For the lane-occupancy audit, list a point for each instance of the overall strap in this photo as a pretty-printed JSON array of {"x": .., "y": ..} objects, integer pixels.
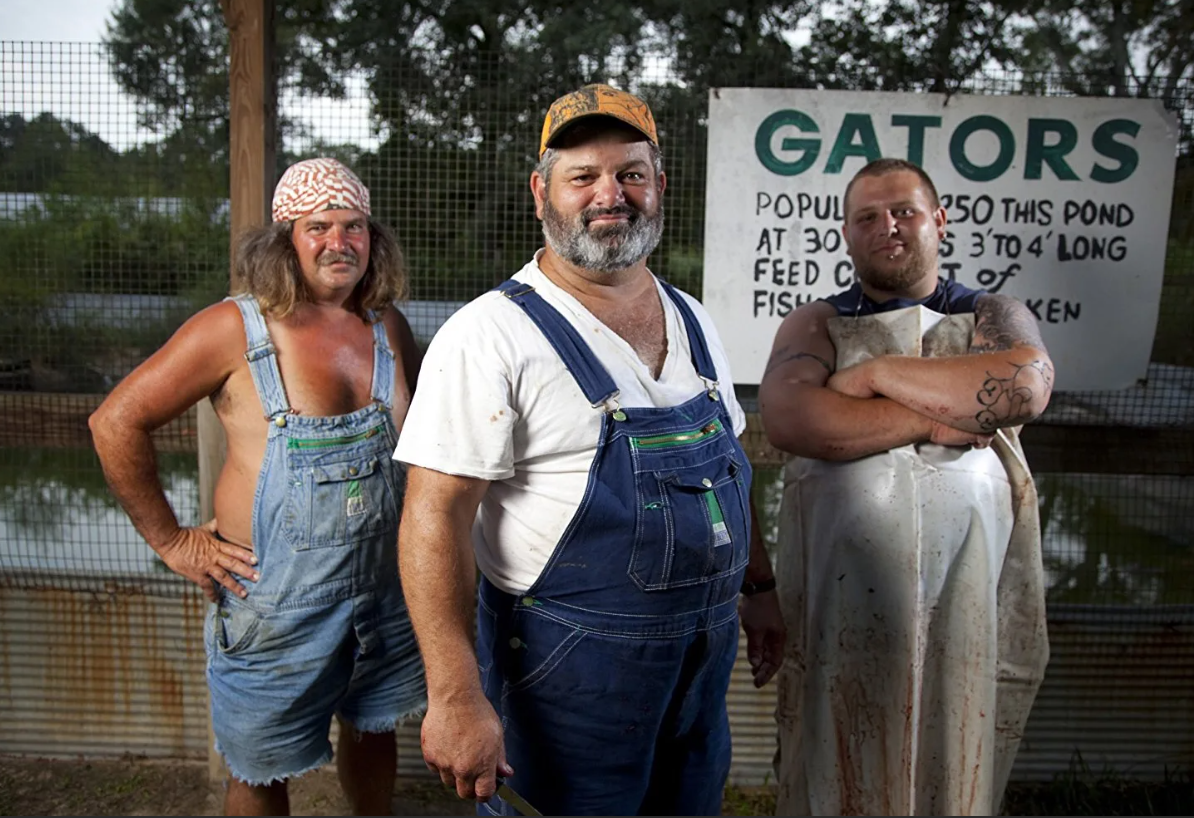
[
  {"x": 262, "y": 358},
  {"x": 701, "y": 359},
  {"x": 383, "y": 364},
  {"x": 590, "y": 375}
]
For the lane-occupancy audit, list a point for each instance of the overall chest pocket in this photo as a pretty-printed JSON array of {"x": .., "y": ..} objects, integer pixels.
[
  {"x": 692, "y": 521},
  {"x": 334, "y": 504}
]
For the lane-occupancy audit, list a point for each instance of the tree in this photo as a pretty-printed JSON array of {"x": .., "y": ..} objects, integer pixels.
[
  {"x": 1119, "y": 47},
  {"x": 899, "y": 45},
  {"x": 459, "y": 87},
  {"x": 716, "y": 44},
  {"x": 172, "y": 57},
  {"x": 45, "y": 153}
]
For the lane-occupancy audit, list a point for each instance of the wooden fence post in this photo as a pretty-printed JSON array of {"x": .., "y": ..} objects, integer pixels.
[{"x": 252, "y": 105}]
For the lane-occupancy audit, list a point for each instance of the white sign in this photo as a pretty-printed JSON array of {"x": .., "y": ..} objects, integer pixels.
[{"x": 1061, "y": 203}]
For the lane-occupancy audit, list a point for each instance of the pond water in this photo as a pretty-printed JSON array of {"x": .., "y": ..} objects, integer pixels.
[
  {"x": 57, "y": 516},
  {"x": 1108, "y": 539}
]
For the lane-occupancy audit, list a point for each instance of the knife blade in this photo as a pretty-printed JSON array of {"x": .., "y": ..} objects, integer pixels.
[{"x": 514, "y": 799}]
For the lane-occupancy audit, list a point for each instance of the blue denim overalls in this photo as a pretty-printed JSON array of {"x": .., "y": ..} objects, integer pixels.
[
  {"x": 325, "y": 629},
  {"x": 610, "y": 673}
]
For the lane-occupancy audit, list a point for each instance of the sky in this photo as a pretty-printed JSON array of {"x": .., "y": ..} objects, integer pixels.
[
  {"x": 55, "y": 20},
  {"x": 36, "y": 78}
]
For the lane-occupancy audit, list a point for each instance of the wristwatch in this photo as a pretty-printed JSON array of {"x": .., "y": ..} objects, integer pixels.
[{"x": 751, "y": 588}]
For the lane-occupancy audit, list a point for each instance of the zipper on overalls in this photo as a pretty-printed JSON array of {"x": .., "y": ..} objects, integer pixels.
[
  {"x": 678, "y": 439},
  {"x": 319, "y": 443}
]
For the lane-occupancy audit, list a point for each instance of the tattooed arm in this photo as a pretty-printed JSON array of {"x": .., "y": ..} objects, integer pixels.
[
  {"x": 803, "y": 417},
  {"x": 1006, "y": 380}
]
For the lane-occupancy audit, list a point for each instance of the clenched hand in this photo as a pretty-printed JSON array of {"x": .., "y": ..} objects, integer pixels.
[
  {"x": 945, "y": 435},
  {"x": 462, "y": 741}
]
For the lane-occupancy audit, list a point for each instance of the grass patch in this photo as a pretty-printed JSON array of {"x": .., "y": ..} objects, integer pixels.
[
  {"x": 748, "y": 801},
  {"x": 1081, "y": 792}
]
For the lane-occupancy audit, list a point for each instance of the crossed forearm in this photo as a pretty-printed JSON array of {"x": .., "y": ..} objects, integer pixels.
[
  {"x": 974, "y": 393},
  {"x": 814, "y": 421}
]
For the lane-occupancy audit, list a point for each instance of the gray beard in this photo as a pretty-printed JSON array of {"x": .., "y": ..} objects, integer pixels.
[{"x": 609, "y": 249}]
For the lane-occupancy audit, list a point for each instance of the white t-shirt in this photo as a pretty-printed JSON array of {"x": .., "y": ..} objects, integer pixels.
[{"x": 495, "y": 401}]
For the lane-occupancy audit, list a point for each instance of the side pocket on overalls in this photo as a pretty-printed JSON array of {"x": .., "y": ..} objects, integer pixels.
[
  {"x": 233, "y": 626},
  {"x": 535, "y": 650}
]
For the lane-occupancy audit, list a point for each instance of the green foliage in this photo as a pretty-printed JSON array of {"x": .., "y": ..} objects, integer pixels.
[
  {"x": 36, "y": 155},
  {"x": 459, "y": 88},
  {"x": 94, "y": 221},
  {"x": 1143, "y": 48},
  {"x": 748, "y": 801},
  {"x": 95, "y": 244},
  {"x": 51, "y": 155}
]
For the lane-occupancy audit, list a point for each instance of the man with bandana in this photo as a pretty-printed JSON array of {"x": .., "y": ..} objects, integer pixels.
[
  {"x": 310, "y": 370},
  {"x": 574, "y": 436},
  {"x": 909, "y": 559}
]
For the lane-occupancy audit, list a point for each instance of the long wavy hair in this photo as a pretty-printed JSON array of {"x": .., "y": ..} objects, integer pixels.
[{"x": 267, "y": 266}]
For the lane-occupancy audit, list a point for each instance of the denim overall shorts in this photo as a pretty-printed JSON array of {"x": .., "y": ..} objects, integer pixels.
[
  {"x": 610, "y": 673},
  {"x": 325, "y": 630}
]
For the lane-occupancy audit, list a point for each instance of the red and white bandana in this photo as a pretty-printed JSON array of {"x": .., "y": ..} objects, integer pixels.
[{"x": 314, "y": 185}]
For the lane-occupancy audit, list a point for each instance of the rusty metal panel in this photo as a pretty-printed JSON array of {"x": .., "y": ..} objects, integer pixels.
[
  {"x": 108, "y": 672},
  {"x": 98, "y": 673},
  {"x": 752, "y": 724},
  {"x": 1118, "y": 693},
  {"x": 410, "y": 753}
]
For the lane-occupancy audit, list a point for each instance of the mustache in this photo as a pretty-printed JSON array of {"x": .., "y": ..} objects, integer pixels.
[
  {"x": 587, "y": 216},
  {"x": 336, "y": 257}
]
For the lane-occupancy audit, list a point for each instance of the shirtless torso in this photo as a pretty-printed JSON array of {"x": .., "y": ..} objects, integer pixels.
[
  {"x": 325, "y": 356},
  {"x": 326, "y": 360}
]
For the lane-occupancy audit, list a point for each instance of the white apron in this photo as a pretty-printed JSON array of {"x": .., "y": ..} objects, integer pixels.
[{"x": 913, "y": 591}]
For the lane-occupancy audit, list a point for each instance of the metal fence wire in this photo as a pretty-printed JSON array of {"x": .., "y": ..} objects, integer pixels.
[{"x": 114, "y": 228}]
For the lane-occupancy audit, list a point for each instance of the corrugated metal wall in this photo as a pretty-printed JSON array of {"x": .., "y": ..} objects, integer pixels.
[
  {"x": 112, "y": 670},
  {"x": 102, "y": 669},
  {"x": 1118, "y": 694}
]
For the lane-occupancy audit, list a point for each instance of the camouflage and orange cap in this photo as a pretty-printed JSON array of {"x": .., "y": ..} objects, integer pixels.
[
  {"x": 314, "y": 185},
  {"x": 597, "y": 100}
]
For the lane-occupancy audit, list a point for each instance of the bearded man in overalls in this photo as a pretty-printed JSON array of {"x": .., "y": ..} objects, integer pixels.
[
  {"x": 575, "y": 433},
  {"x": 310, "y": 371},
  {"x": 909, "y": 562}
]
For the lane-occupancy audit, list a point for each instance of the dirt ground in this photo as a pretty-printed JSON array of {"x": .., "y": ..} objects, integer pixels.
[
  {"x": 132, "y": 786},
  {"x": 38, "y": 786},
  {"x": 34, "y": 786}
]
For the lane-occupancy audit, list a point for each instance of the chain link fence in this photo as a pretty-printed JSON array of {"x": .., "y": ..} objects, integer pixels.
[{"x": 113, "y": 233}]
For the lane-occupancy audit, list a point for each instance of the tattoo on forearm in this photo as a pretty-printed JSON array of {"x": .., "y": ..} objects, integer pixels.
[
  {"x": 1002, "y": 323},
  {"x": 1004, "y": 399},
  {"x": 783, "y": 356}
]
